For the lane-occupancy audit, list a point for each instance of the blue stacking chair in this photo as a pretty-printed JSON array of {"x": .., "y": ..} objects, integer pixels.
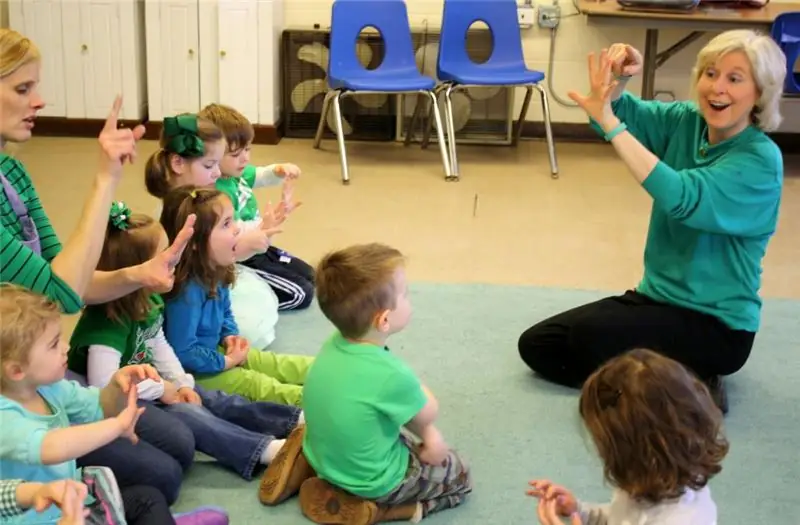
[
  {"x": 397, "y": 74},
  {"x": 786, "y": 32},
  {"x": 505, "y": 67}
]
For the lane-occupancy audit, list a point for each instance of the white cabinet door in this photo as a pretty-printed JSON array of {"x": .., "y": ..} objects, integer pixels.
[
  {"x": 172, "y": 57},
  {"x": 101, "y": 56},
  {"x": 238, "y": 56},
  {"x": 40, "y": 20}
]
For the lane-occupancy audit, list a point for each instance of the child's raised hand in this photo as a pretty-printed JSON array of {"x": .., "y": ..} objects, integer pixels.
[
  {"x": 130, "y": 415},
  {"x": 131, "y": 375},
  {"x": 288, "y": 171},
  {"x": 547, "y": 512},
  {"x": 565, "y": 502},
  {"x": 288, "y": 205}
]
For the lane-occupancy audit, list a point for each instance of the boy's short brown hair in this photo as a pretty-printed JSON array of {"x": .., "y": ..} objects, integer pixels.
[
  {"x": 655, "y": 426},
  {"x": 238, "y": 131},
  {"x": 25, "y": 316},
  {"x": 357, "y": 283}
]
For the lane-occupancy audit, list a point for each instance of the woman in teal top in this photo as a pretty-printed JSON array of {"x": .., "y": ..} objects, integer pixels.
[{"x": 715, "y": 178}]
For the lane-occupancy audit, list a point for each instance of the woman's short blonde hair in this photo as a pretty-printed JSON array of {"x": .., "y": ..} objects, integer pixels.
[
  {"x": 767, "y": 62},
  {"x": 16, "y": 51}
]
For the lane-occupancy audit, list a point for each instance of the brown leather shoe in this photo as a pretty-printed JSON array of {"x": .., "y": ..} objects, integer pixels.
[
  {"x": 323, "y": 503},
  {"x": 286, "y": 472}
]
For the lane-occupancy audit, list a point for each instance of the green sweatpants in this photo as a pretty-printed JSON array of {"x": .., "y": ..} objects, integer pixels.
[{"x": 265, "y": 376}]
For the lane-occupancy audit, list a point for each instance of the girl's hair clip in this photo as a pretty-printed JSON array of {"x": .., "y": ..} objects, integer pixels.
[
  {"x": 120, "y": 216},
  {"x": 193, "y": 194}
]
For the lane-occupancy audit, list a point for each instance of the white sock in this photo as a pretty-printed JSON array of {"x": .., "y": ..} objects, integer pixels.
[
  {"x": 417, "y": 517},
  {"x": 272, "y": 450},
  {"x": 301, "y": 419}
]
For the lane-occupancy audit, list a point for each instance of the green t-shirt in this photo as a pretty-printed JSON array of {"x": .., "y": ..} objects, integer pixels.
[
  {"x": 128, "y": 337},
  {"x": 356, "y": 399},
  {"x": 240, "y": 191}
]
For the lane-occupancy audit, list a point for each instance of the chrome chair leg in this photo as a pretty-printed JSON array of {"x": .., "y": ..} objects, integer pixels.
[
  {"x": 326, "y": 106},
  {"x": 426, "y": 134},
  {"x": 448, "y": 175},
  {"x": 522, "y": 114},
  {"x": 337, "y": 110},
  {"x": 451, "y": 132},
  {"x": 551, "y": 148}
]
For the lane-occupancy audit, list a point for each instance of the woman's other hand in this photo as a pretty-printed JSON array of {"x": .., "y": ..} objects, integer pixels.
[
  {"x": 626, "y": 60},
  {"x": 117, "y": 145}
]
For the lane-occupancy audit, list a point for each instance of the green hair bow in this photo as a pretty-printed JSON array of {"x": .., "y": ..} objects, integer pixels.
[
  {"x": 120, "y": 216},
  {"x": 180, "y": 135}
]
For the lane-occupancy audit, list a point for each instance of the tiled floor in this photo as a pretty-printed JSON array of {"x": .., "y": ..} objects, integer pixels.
[{"x": 584, "y": 230}]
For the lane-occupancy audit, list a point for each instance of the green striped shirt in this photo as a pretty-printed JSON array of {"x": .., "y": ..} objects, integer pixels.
[{"x": 18, "y": 264}]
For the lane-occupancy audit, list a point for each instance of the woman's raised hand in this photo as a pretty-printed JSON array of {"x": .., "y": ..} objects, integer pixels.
[
  {"x": 597, "y": 104},
  {"x": 117, "y": 145},
  {"x": 626, "y": 61}
]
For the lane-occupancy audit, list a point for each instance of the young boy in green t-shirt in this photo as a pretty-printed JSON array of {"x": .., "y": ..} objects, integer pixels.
[
  {"x": 354, "y": 457},
  {"x": 291, "y": 278}
]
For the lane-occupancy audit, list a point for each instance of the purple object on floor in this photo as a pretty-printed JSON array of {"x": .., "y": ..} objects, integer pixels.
[{"x": 203, "y": 516}]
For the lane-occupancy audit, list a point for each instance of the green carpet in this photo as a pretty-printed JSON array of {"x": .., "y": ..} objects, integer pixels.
[{"x": 513, "y": 427}]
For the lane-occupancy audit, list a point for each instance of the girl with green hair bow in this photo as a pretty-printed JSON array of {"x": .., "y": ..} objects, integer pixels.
[{"x": 190, "y": 153}]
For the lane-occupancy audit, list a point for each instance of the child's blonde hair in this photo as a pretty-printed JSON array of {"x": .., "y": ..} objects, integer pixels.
[
  {"x": 238, "y": 131},
  {"x": 25, "y": 316},
  {"x": 654, "y": 424},
  {"x": 129, "y": 241},
  {"x": 204, "y": 203},
  {"x": 357, "y": 283},
  {"x": 185, "y": 136}
]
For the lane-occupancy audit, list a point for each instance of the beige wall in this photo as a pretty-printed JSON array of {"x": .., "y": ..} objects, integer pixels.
[
  {"x": 3, "y": 13},
  {"x": 574, "y": 40}
]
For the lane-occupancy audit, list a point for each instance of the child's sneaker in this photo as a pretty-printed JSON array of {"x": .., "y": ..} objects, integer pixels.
[
  {"x": 323, "y": 503},
  {"x": 202, "y": 516},
  {"x": 286, "y": 472}
]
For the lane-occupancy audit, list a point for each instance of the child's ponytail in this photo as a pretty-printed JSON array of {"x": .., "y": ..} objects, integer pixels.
[{"x": 157, "y": 173}]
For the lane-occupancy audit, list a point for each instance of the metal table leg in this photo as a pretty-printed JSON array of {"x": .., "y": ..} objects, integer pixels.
[{"x": 650, "y": 64}]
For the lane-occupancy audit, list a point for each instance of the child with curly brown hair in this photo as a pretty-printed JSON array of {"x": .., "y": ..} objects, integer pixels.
[{"x": 659, "y": 435}]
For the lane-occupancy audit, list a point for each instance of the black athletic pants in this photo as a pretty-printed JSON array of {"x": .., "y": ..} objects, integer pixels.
[
  {"x": 291, "y": 278},
  {"x": 145, "y": 505},
  {"x": 570, "y": 346}
]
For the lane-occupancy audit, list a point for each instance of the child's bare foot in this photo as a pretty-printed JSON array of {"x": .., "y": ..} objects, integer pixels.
[
  {"x": 286, "y": 472},
  {"x": 323, "y": 503}
]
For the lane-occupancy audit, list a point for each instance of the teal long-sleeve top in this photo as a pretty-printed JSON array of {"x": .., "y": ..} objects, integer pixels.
[{"x": 715, "y": 208}]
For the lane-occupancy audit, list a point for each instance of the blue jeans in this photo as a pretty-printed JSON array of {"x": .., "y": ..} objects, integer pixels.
[
  {"x": 164, "y": 452},
  {"x": 233, "y": 430}
]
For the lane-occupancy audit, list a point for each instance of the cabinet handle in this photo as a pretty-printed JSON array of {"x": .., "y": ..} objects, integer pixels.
[
  {"x": 191, "y": 52},
  {"x": 222, "y": 54},
  {"x": 84, "y": 47}
]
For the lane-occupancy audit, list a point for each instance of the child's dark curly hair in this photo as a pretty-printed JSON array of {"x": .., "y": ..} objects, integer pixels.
[{"x": 654, "y": 424}]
